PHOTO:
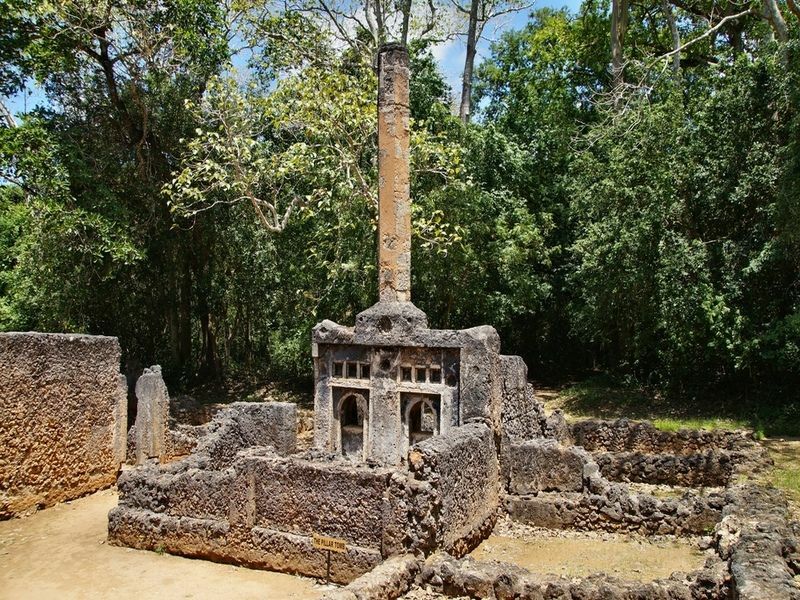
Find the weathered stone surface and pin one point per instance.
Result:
(545, 465)
(623, 435)
(556, 427)
(63, 409)
(755, 536)
(337, 499)
(463, 471)
(502, 581)
(613, 508)
(389, 580)
(522, 416)
(246, 424)
(394, 223)
(152, 416)
(710, 468)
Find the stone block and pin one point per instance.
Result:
(63, 414)
(463, 470)
(544, 465)
(152, 416)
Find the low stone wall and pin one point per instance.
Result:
(755, 536)
(623, 435)
(463, 473)
(63, 409)
(545, 466)
(249, 424)
(617, 510)
(389, 580)
(710, 468)
(502, 581)
(236, 499)
(555, 486)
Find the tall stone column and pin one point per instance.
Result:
(394, 223)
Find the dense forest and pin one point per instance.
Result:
(614, 189)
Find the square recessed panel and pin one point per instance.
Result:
(420, 374)
(435, 375)
(405, 374)
(338, 369)
(352, 370)
(364, 371)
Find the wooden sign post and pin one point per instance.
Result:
(328, 544)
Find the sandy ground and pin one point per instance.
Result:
(62, 553)
(636, 560)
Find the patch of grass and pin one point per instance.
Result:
(787, 479)
(602, 396)
(708, 423)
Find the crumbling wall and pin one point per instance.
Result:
(622, 435)
(700, 469)
(522, 417)
(755, 536)
(249, 424)
(546, 466)
(63, 409)
(463, 471)
(555, 486)
(237, 499)
(494, 580)
(635, 451)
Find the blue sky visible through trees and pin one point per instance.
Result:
(449, 55)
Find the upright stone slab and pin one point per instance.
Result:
(63, 412)
(152, 415)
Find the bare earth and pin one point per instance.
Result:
(62, 553)
(579, 554)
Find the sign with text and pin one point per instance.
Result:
(328, 543)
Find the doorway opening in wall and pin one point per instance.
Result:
(421, 416)
(353, 421)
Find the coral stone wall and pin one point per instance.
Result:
(63, 409)
(463, 471)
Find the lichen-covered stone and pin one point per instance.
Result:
(63, 409)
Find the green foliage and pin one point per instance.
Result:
(210, 217)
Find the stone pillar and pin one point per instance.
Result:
(394, 223)
(152, 415)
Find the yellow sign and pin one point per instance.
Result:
(328, 543)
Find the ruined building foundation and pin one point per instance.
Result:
(423, 439)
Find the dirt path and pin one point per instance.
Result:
(62, 553)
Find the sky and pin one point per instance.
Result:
(450, 55)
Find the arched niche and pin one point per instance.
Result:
(421, 417)
(352, 416)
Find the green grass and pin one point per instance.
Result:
(601, 396)
(788, 479)
(708, 423)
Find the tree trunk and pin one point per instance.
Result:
(793, 7)
(469, 63)
(619, 25)
(676, 36)
(772, 13)
(406, 20)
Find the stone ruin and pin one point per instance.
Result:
(423, 439)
